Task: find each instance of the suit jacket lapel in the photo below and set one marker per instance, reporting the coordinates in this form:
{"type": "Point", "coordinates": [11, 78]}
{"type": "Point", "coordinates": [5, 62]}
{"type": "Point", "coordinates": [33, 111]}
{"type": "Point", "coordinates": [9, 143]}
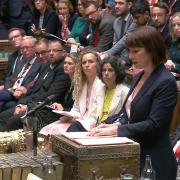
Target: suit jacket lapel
{"type": "Point", "coordinates": [148, 83]}
{"type": "Point", "coordinates": [133, 84]}
{"type": "Point", "coordinates": [116, 99]}
{"type": "Point", "coordinates": [32, 70]}
{"type": "Point", "coordinates": [100, 101]}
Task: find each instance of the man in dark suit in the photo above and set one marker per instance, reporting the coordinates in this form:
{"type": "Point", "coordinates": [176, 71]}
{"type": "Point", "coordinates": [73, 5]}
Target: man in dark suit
{"type": "Point", "coordinates": [51, 80]}
{"type": "Point", "coordinates": [160, 19]}
{"type": "Point", "coordinates": [25, 77]}
{"type": "Point", "coordinates": [15, 61]}
{"type": "Point", "coordinates": [101, 26]}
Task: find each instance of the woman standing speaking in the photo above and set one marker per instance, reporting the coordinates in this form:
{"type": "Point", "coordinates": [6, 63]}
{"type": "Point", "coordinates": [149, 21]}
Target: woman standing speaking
{"type": "Point", "coordinates": [147, 111]}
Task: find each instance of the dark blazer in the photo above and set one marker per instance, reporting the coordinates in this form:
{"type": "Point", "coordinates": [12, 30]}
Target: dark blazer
{"type": "Point", "coordinates": [10, 64]}
{"type": "Point", "coordinates": [50, 22]}
{"type": "Point", "coordinates": [150, 118]}
{"type": "Point", "coordinates": [176, 7]}
{"type": "Point", "coordinates": [19, 64]}
{"type": "Point", "coordinates": [174, 53]}
{"type": "Point", "coordinates": [9, 73]}
{"type": "Point", "coordinates": [11, 61]}
{"type": "Point", "coordinates": [56, 82]}
{"type": "Point", "coordinates": [84, 41]}
{"type": "Point", "coordinates": [34, 70]}
{"type": "Point", "coordinates": [166, 35]}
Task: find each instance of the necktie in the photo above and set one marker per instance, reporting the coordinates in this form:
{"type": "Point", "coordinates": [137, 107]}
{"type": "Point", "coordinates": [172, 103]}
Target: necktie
{"type": "Point", "coordinates": [22, 73]}
{"type": "Point", "coordinates": [177, 153]}
{"type": "Point", "coordinates": [96, 36]}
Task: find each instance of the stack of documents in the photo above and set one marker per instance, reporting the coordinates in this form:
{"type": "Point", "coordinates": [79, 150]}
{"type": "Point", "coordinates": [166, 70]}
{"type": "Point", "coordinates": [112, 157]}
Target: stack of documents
{"type": "Point", "coordinates": [83, 138]}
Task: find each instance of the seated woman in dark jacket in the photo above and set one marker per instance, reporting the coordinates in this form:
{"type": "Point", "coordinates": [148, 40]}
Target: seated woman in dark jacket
{"type": "Point", "coordinates": [174, 50]}
{"type": "Point", "coordinates": [44, 18]}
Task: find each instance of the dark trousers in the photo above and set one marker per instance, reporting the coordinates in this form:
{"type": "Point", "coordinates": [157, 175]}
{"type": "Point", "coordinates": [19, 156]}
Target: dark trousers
{"type": "Point", "coordinates": [76, 127]}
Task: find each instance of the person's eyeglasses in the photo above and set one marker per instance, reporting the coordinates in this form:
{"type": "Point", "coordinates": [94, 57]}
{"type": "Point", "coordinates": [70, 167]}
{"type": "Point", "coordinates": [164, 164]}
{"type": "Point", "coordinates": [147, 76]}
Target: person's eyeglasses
{"type": "Point", "coordinates": [55, 50]}
{"type": "Point", "coordinates": [14, 37]}
{"type": "Point", "coordinates": [41, 53]}
{"type": "Point", "coordinates": [91, 13]}
{"type": "Point", "coordinates": [27, 47]}
{"type": "Point", "coordinates": [157, 15]}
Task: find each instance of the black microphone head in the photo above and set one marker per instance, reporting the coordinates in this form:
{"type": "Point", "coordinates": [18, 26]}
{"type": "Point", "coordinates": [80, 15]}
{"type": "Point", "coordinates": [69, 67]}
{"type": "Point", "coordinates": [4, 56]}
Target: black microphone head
{"type": "Point", "coordinates": [50, 99]}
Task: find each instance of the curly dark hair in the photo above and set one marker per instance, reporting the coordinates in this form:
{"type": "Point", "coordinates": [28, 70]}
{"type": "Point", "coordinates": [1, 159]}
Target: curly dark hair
{"type": "Point", "coordinates": [116, 65]}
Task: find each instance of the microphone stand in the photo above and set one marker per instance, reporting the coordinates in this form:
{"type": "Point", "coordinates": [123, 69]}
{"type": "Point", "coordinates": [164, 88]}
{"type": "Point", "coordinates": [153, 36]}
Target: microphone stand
{"type": "Point", "coordinates": [35, 133]}
{"type": "Point", "coordinates": [33, 117]}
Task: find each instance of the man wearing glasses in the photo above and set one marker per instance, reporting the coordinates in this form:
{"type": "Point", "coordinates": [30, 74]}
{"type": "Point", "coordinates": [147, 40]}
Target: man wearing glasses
{"type": "Point", "coordinates": [15, 61]}
{"type": "Point", "coordinates": [26, 77]}
{"type": "Point", "coordinates": [51, 81]}
{"type": "Point", "coordinates": [160, 18]}
{"type": "Point", "coordinates": [101, 26]}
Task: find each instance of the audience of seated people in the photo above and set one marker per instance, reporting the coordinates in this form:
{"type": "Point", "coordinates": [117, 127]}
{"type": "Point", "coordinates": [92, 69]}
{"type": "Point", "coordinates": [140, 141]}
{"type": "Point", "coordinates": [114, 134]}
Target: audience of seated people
{"type": "Point", "coordinates": [160, 20]}
{"type": "Point", "coordinates": [103, 31]}
{"type": "Point", "coordinates": [67, 17]}
{"type": "Point", "coordinates": [174, 49]}
{"type": "Point", "coordinates": [44, 17]}
{"type": "Point", "coordinates": [15, 59]}
{"type": "Point", "coordinates": [86, 86]}
{"type": "Point", "coordinates": [25, 77]}
{"type": "Point", "coordinates": [46, 114]}
{"type": "Point", "coordinates": [79, 25]}
{"type": "Point", "coordinates": [51, 81]}
{"type": "Point", "coordinates": [73, 78]}
{"type": "Point", "coordinates": [110, 98]}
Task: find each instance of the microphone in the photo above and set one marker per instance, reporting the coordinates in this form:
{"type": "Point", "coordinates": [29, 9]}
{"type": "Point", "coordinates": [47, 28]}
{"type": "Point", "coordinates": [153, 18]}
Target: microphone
{"type": "Point", "coordinates": [50, 99]}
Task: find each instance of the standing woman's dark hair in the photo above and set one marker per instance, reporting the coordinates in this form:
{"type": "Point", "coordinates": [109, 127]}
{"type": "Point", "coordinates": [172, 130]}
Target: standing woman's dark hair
{"type": "Point", "coordinates": [148, 108]}
{"type": "Point", "coordinates": [116, 65]}
{"type": "Point", "coordinates": [150, 39]}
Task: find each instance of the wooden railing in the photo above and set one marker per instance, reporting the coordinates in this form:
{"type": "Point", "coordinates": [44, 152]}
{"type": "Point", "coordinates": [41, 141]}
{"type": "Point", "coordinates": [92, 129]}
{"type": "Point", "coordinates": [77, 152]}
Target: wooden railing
{"type": "Point", "coordinates": [5, 50]}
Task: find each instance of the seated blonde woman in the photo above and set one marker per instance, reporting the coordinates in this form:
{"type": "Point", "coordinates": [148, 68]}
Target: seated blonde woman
{"type": "Point", "coordinates": [109, 100]}
{"type": "Point", "coordinates": [86, 86]}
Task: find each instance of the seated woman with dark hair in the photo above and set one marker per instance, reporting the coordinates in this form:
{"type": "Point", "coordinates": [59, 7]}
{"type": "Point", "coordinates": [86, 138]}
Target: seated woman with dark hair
{"type": "Point", "coordinates": [44, 17]}
{"type": "Point", "coordinates": [110, 99]}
